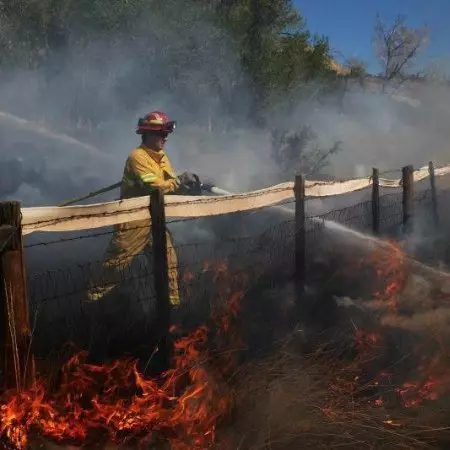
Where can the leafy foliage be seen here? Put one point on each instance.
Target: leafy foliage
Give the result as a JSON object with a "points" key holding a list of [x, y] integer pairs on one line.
{"points": [[275, 48], [201, 52], [357, 69]]}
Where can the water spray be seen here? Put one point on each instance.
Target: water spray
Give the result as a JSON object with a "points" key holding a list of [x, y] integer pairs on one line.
{"points": [[39, 129], [438, 276]]}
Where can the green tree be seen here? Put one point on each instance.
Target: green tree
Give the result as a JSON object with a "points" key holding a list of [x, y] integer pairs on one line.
{"points": [[276, 49], [357, 70], [269, 38], [202, 53], [354, 70]]}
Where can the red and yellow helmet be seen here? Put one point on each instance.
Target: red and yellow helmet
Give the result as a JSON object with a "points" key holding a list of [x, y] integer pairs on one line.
{"points": [[155, 121]]}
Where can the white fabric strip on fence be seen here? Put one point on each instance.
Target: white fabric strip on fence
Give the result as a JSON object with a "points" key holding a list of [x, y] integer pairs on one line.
{"points": [[71, 218]]}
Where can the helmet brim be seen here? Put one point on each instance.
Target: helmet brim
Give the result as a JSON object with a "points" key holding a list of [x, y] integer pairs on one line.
{"points": [[168, 127]]}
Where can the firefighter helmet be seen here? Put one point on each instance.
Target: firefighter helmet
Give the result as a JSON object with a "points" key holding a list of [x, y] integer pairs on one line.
{"points": [[155, 121]]}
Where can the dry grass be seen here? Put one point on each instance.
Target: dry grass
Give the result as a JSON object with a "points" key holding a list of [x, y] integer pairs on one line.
{"points": [[335, 397], [289, 401], [292, 401]]}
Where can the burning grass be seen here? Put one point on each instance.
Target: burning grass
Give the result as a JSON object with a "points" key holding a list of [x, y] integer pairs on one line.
{"points": [[374, 386], [116, 403], [290, 401]]}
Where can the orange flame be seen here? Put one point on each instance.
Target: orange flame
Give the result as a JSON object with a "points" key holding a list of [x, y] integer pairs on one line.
{"points": [[433, 378], [115, 402], [188, 276], [390, 266]]}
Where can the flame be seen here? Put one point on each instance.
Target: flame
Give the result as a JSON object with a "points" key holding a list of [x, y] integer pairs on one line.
{"points": [[432, 379], [188, 276], [392, 423], [434, 383], [365, 340], [219, 268], [116, 402], [390, 266]]}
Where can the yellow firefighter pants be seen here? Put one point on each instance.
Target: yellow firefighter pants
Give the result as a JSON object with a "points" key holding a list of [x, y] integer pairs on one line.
{"points": [[128, 241]]}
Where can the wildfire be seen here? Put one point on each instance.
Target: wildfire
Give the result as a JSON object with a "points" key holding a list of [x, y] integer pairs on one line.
{"points": [[432, 379], [117, 403], [217, 267], [390, 266], [185, 404]]}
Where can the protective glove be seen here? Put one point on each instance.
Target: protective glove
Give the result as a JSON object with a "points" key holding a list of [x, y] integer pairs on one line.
{"points": [[188, 178], [189, 184], [173, 184]]}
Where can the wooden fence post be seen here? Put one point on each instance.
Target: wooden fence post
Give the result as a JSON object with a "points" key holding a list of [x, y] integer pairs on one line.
{"points": [[300, 236], [408, 197], [161, 276], [375, 202], [434, 204], [18, 370]]}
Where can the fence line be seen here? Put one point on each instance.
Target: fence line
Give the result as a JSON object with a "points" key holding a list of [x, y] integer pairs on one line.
{"points": [[71, 218], [357, 216], [264, 258], [296, 229]]}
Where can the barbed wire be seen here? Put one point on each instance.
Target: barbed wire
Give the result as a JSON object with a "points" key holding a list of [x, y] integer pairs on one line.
{"points": [[205, 200], [59, 295], [363, 208], [386, 172], [343, 215], [110, 232], [223, 241], [287, 187], [99, 234], [148, 225]]}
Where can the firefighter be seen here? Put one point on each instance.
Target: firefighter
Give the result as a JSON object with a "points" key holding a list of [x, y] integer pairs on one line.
{"points": [[147, 168]]}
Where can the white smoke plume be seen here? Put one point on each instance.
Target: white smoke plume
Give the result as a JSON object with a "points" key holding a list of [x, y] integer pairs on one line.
{"points": [[103, 81], [43, 111]]}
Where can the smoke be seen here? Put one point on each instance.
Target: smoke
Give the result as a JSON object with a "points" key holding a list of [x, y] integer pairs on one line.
{"points": [[75, 115], [93, 93], [96, 92], [381, 131]]}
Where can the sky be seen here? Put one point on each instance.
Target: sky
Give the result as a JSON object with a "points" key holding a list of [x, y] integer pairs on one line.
{"points": [[349, 25]]}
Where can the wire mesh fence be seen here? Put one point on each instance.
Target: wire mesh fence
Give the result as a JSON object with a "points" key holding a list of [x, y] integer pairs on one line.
{"points": [[208, 272], [215, 257]]}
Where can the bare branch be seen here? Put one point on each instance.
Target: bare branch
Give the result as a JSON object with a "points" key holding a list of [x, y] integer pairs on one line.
{"points": [[397, 46]]}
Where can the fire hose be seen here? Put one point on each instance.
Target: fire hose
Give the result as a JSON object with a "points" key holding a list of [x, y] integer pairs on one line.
{"points": [[204, 187]]}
